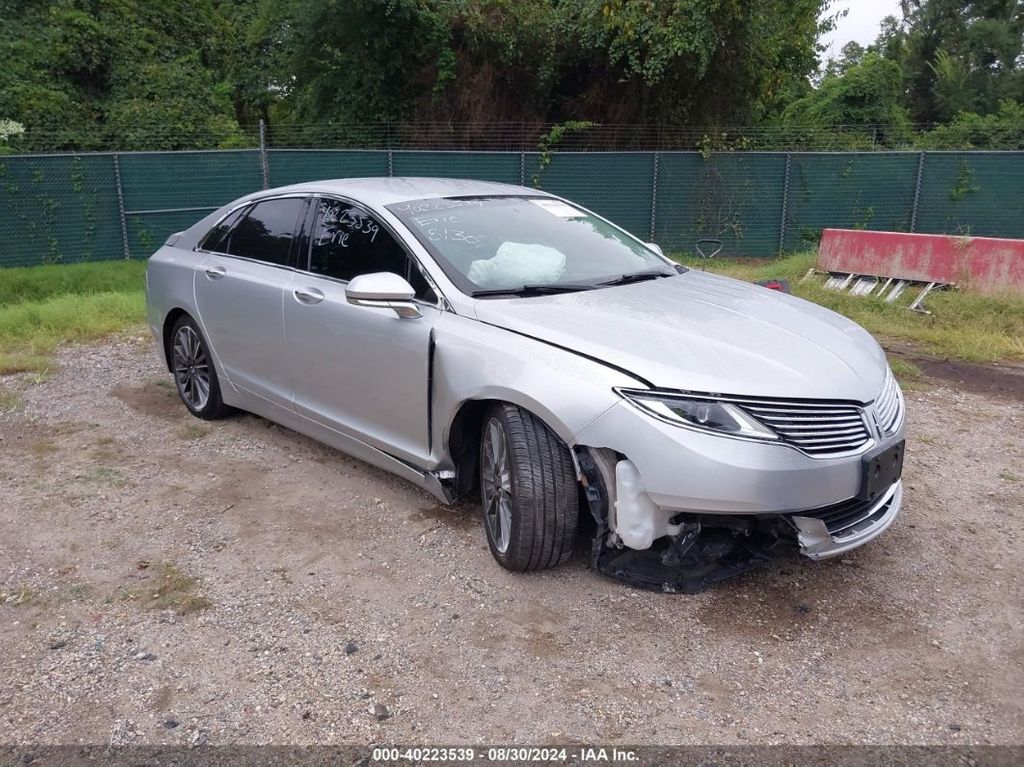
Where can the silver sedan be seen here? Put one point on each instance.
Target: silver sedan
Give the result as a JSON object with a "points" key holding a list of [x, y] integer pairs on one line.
{"points": [[480, 338]]}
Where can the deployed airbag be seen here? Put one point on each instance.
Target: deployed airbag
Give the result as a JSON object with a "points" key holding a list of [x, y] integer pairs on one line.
{"points": [[517, 264]]}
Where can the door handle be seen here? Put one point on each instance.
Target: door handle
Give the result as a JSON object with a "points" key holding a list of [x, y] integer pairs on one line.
{"points": [[308, 296], [215, 272]]}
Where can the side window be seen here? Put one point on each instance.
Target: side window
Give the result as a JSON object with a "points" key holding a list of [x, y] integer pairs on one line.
{"points": [[267, 231], [348, 241], [215, 239]]}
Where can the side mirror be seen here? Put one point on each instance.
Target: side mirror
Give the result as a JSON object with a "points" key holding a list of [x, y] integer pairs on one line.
{"points": [[656, 248], [383, 290]]}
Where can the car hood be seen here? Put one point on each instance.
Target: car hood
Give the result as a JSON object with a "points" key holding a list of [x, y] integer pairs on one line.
{"points": [[706, 333]]}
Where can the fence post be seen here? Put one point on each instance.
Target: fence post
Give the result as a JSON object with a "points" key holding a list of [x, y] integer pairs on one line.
{"points": [[391, 156], [264, 160], [654, 194], [120, 206], [522, 168], [917, 192], [785, 204]]}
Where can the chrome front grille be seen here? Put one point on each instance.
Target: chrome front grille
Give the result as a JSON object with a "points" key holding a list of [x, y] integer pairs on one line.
{"points": [[817, 428], [889, 405]]}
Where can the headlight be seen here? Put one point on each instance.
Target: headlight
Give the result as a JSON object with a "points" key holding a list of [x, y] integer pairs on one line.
{"points": [[707, 414]]}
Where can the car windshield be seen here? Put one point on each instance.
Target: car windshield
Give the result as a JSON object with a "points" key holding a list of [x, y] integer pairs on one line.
{"points": [[488, 245]]}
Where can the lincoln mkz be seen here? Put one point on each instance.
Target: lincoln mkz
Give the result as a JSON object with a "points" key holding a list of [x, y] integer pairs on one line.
{"points": [[483, 339]]}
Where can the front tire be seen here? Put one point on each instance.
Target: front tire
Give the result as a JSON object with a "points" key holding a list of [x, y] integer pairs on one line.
{"points": [[194, 374], [528, 490]]}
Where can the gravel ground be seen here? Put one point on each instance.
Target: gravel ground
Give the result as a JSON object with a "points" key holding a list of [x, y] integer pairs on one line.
{"points": [[165, 580]]}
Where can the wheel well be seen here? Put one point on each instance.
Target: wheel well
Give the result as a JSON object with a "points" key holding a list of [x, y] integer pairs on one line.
{"points": [[171, 318], [464, 444]]}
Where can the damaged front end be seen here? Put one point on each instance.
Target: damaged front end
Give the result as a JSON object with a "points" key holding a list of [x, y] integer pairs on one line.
{"points": [[639, 544]]}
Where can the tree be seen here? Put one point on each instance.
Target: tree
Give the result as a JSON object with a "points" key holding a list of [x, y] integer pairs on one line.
{"points": [[867, 94], [609, 61], [135, 73], [1001, 130], [961, 55]]}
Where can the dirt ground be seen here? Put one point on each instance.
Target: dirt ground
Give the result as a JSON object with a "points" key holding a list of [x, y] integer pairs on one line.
{"points": [[165, 580]]}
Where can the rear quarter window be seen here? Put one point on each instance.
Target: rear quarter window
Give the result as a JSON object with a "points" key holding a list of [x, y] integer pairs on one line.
{"points": [[266, 232]]}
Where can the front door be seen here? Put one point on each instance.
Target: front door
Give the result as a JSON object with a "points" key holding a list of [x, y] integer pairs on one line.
{"points": [[363, 371]]}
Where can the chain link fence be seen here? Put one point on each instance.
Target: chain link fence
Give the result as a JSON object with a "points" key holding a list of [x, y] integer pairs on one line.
{"points": [[65, 208]]}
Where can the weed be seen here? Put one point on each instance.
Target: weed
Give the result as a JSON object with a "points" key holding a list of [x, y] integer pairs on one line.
{"points": [[105, 476], [9, 400], [20, 596], [178, 591], [193, 431]]}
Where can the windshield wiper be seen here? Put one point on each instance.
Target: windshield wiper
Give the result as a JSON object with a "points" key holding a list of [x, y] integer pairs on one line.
{"points": [[638, 277], [532, 290]]}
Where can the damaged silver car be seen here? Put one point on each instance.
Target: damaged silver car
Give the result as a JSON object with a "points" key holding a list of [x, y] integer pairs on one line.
{"points": [[483, 339]]}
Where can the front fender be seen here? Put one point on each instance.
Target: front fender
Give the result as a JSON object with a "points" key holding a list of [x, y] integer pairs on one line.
{"points": [[477, 361]]}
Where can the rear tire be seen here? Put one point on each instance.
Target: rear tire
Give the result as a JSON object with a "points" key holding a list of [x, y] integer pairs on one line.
{"points": [[528, 490], [195, 376]]}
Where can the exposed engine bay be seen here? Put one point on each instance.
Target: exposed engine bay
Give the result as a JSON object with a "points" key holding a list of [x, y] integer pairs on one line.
{"points": [[698, 551]]}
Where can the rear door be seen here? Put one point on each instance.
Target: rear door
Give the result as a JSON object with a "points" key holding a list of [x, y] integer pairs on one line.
{"points": [[360, 370], [239, 289]]}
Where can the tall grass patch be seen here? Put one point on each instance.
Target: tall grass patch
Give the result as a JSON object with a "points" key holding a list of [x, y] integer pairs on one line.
{"points": [[42, 307]]}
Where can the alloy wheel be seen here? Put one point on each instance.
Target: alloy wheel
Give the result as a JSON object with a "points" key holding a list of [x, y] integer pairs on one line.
{"points": [[497, 487], [191, 368]]}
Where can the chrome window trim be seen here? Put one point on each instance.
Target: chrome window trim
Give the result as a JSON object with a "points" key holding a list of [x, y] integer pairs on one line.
{"points": [[254, 201], [442, 303]]}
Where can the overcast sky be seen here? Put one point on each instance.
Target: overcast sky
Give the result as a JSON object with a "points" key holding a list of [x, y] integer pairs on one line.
{"points": [[861, 23]]}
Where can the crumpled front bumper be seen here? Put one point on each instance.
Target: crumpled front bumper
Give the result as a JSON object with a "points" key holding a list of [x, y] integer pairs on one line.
{"points": [[664, 474], [818, 543]]}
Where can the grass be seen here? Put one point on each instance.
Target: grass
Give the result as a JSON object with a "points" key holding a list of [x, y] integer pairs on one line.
{"points": [[961, 325], [177, 591], [20, 596], [171, 589], [42, 307], [38, 283], [909, 374], [193, 431], [9, 400]]}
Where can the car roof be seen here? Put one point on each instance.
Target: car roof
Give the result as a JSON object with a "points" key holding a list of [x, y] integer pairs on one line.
{"points": [[391, 189]]}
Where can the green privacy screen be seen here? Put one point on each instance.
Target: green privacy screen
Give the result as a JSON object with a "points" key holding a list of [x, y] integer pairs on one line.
{"points": [[67, 208], [166, 192], [58, 208]]}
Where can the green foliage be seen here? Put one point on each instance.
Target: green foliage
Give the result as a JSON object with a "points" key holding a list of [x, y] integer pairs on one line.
{"points": [[134, 74], [867, 93], [691, 60], [957, 55], [367, 61], [1002, 130], [82, 73], [550, 141]]}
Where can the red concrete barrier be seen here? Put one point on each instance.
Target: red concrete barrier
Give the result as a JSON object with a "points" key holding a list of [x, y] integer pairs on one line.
{"points": [[979, 264]]}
